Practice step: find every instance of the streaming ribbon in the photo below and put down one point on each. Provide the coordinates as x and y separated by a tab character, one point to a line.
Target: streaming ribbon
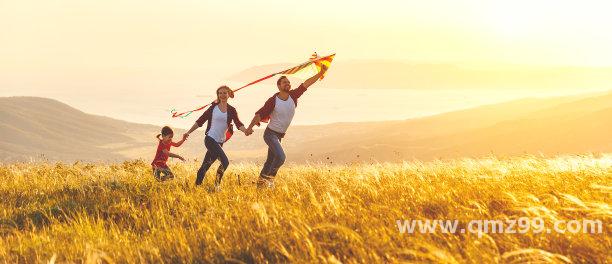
314	60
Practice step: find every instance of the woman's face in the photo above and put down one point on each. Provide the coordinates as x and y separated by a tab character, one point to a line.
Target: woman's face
223	94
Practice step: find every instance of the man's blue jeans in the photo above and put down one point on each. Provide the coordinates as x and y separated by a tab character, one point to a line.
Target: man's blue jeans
276	154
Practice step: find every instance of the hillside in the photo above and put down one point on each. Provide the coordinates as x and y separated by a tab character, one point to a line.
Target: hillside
547	126
47	129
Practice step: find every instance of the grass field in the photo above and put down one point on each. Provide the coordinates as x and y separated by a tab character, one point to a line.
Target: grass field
317	213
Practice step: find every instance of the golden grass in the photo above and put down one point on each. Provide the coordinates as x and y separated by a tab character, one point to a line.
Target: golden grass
317	213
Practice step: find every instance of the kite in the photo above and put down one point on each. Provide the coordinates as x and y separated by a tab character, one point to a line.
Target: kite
304	70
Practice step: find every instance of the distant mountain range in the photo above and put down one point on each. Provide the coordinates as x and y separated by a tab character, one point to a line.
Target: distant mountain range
552	126
40	128
43	128
399	75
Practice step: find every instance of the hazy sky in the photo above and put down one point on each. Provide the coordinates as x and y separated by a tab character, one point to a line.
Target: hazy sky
224	36
130	48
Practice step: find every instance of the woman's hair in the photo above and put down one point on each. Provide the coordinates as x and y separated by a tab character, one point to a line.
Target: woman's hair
280	79
165	131
229	91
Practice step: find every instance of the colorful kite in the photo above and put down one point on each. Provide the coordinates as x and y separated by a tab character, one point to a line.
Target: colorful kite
304	70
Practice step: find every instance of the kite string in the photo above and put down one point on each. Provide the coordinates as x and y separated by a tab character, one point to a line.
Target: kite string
315	61
187	113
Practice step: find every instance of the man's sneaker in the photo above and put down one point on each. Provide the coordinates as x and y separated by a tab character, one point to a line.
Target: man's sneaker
265	181
218	183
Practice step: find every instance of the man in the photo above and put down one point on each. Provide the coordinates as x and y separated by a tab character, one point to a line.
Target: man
279	110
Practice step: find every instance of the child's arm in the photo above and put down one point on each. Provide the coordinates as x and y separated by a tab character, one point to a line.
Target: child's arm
170	154
178	144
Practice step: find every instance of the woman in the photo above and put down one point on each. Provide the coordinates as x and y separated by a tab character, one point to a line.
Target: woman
219	129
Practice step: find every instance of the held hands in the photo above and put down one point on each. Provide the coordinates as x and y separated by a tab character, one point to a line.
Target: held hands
246	131
185	136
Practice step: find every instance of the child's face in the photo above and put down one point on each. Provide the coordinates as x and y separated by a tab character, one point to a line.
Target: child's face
167	137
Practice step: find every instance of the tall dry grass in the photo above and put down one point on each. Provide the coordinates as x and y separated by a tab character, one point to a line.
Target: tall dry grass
317	213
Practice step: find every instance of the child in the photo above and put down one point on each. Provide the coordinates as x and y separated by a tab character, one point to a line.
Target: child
163	152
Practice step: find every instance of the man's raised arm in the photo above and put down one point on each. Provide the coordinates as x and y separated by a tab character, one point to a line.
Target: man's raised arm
313	79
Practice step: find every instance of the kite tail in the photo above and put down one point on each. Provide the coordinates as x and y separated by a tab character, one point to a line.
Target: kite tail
187	113
315	59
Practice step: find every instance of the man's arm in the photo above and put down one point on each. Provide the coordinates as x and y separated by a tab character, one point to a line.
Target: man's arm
313	79
296	93
245	130
264	112
255	121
